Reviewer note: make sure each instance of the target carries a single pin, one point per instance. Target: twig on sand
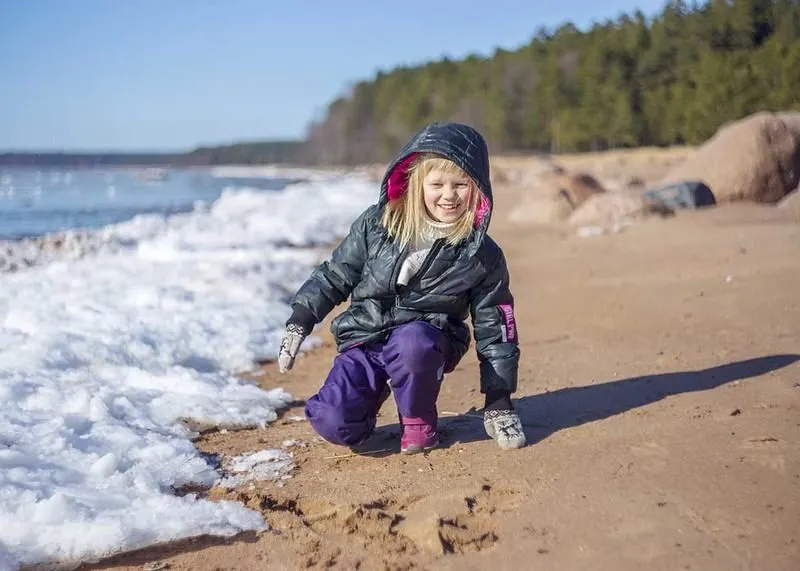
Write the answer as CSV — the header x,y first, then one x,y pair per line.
x,y
351,455
470,414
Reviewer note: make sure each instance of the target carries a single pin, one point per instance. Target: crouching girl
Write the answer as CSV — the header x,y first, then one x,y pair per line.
x,y
415,265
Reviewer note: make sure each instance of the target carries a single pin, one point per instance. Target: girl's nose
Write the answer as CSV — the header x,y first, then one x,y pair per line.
x,y
450,190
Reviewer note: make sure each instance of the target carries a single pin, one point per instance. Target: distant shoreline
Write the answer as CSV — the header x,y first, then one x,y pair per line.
x,y
267,152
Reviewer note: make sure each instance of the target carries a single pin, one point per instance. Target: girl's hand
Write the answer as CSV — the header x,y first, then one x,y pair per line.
x,y
505,427
293,337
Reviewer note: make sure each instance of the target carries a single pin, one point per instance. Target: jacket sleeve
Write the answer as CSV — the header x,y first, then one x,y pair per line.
x,y
332,281
495,329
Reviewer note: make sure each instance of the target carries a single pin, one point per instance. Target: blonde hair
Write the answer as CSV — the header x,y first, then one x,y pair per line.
x,y
406,217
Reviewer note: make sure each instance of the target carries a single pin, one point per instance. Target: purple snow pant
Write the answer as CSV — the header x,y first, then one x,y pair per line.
x,y
412,361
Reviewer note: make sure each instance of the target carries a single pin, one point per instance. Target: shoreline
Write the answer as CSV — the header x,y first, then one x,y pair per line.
x,y
613,376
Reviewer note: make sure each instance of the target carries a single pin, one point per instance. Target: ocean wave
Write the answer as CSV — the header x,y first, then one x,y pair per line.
x,y
234,202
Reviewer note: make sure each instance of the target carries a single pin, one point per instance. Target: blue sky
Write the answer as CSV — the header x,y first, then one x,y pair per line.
x,y
172,74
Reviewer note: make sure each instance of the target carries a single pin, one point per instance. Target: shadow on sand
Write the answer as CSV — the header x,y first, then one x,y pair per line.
x,y
547,413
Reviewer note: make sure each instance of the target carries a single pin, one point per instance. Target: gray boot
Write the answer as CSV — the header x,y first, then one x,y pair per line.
x,y
505,427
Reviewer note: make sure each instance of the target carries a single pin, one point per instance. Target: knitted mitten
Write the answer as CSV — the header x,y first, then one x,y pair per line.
x,y
505,427
501,421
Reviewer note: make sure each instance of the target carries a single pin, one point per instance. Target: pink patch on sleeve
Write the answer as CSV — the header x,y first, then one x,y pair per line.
x,y
510,324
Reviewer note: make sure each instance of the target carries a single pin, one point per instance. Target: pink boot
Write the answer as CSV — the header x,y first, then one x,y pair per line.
x,y
418,435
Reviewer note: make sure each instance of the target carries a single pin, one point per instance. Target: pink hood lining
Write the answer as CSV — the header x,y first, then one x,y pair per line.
x,y
397,185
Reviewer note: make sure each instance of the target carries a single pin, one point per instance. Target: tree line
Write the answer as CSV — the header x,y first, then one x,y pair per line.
x,y
632,81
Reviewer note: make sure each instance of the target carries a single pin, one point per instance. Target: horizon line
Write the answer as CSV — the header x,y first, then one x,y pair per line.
x,y
117,151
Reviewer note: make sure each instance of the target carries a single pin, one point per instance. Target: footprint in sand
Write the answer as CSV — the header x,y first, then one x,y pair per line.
x,y
457,522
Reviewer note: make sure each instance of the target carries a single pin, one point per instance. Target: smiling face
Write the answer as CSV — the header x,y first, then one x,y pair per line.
x,y
437,190
447,194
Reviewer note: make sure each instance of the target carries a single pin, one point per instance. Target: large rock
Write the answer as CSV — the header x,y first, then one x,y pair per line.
x,y
792,120
555,196
791,203
578,188
547,209
611,212
755,159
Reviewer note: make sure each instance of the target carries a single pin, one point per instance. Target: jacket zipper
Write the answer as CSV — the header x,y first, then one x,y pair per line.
x,y
396,270
426,264
437,245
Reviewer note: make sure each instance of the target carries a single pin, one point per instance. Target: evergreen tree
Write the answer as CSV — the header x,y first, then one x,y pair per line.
x,y
628,82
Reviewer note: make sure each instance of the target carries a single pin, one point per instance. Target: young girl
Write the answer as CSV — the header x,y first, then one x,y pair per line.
x,y
415,264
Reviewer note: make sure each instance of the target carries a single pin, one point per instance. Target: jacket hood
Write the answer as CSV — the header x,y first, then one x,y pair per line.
x,y
457,142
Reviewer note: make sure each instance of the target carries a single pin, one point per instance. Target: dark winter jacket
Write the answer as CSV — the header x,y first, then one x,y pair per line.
x,y
471,277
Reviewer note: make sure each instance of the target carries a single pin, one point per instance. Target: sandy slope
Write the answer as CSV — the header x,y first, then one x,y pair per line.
x,y
660,389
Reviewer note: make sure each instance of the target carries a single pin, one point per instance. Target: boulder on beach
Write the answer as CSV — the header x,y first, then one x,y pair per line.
x,y
754,159
612,211
791,119
681,195
578,188
555,196
541,209
791,203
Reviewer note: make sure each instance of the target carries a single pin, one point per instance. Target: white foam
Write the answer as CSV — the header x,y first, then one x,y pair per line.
x,y
101,356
